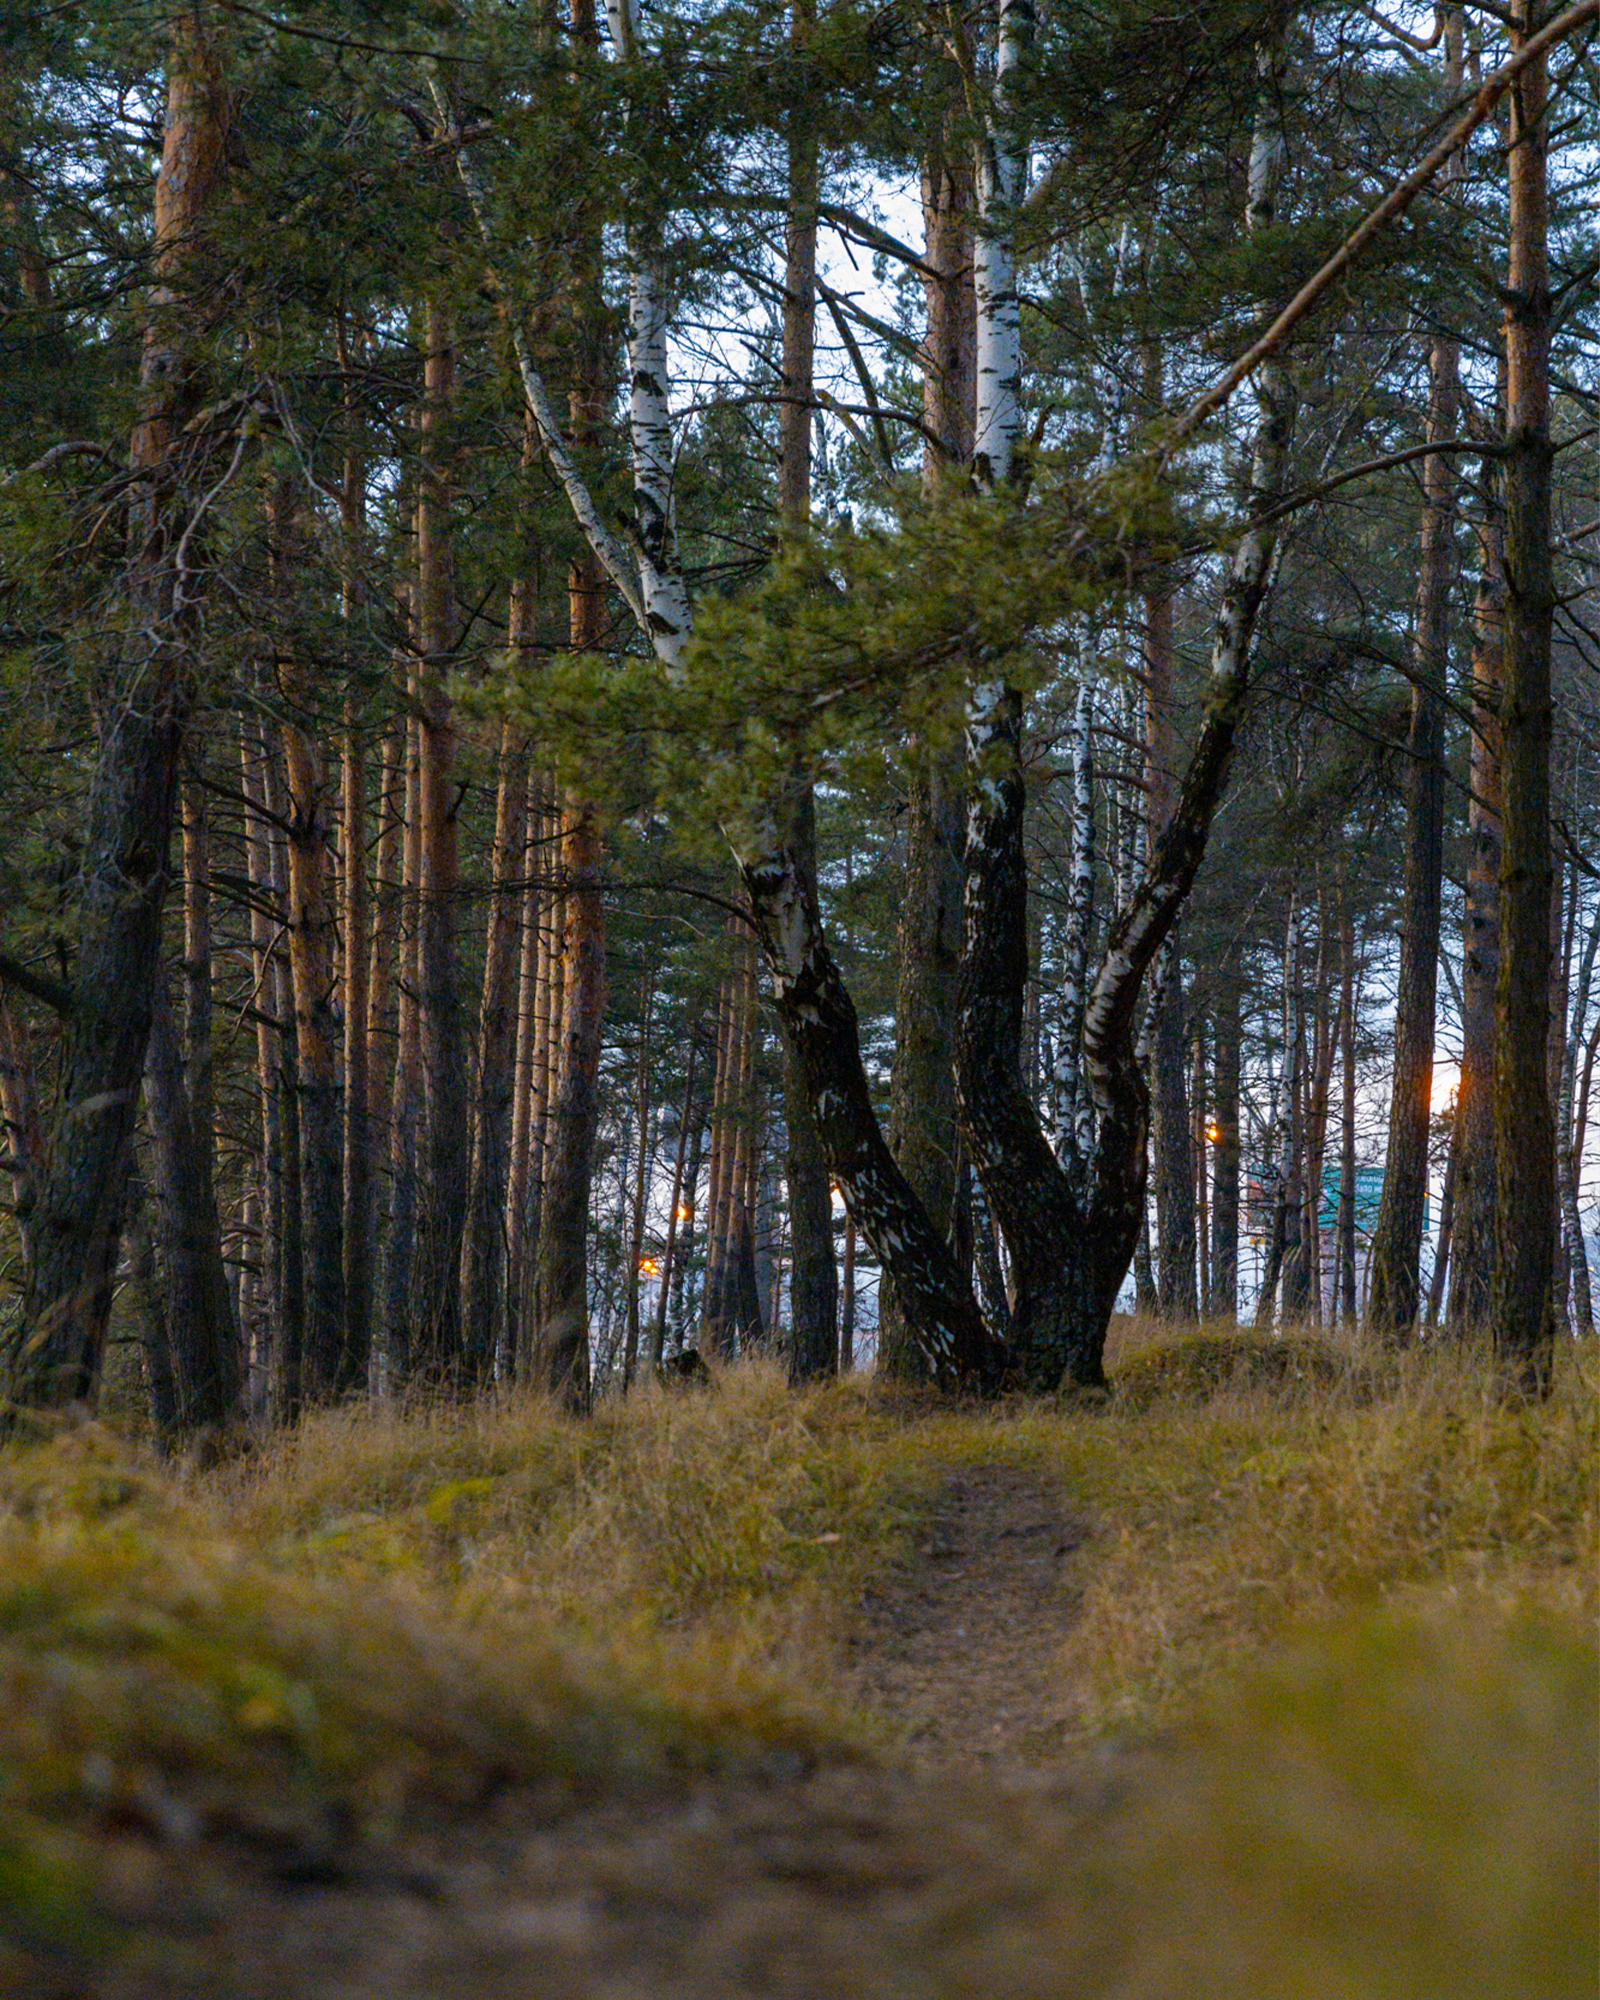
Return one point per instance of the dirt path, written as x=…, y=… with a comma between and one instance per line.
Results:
x=957, y=1651
x=935, y=1876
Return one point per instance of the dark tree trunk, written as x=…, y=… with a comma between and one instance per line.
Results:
x=435, y=1306
x=202, y=1371
x=1397, y=1237
x=1225, y=1195
x=932, y=1291
x=814, y=1278
x=1520, y=1317
x=72, y=1231
x=1473, y=1271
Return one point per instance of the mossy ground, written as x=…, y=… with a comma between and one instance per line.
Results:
x=1354, y=1604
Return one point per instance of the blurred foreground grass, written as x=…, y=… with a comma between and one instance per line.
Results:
x=1355, y=1601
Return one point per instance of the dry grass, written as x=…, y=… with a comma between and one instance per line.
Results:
x=391, y=1613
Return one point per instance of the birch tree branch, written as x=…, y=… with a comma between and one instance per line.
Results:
x=1393, y=205
x=609, y=552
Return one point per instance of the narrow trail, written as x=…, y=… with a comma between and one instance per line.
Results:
x=957, y=1651
x=931, y=1876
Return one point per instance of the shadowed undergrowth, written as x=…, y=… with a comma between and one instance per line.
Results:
x=1357, y=1600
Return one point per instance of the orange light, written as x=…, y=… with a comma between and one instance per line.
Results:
x=685, y=1212
x=1214, y=1134
x=647, y=1267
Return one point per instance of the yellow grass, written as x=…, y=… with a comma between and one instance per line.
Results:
x=1358, y=1595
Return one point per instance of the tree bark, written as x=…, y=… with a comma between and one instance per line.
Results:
x=813, y=1348
x=1521, y=1321
x=202, y=1374
x=73, y=1228
x=1473, y=1273
x=1225, y=1201
x=328, y=1368
x=1397, y=1237
x=435, y=1303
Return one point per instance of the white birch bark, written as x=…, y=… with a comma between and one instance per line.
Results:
x=666, y=602
x=1073, y=1112
x=1001, y=174
x=1579, y=1296
x=1156, y=901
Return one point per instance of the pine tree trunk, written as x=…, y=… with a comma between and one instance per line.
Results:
x=1225, y=1089
x=1521, y=1322
x=813, y=1347
x=327, y=1369
x=681, y=1211
x=435, y=1304
x=1473, y=1272
x=406, y=1093
x=1172, y=1162
x=203, y=1376
x=922, y=1106
x=359, y=1123
x=74, y=1226
x=1397, y=1237
x=1349, y=1000
x=562, y=1361
x=483, y=1259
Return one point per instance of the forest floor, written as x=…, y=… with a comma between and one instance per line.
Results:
x=1022, y=1717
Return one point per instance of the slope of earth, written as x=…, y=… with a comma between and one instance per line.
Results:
x=1020, y=1710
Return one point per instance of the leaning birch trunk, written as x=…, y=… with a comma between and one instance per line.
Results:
x=811, y=1000
x=74, y=1228
x=1520, y=1318
x=1109, y=1061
